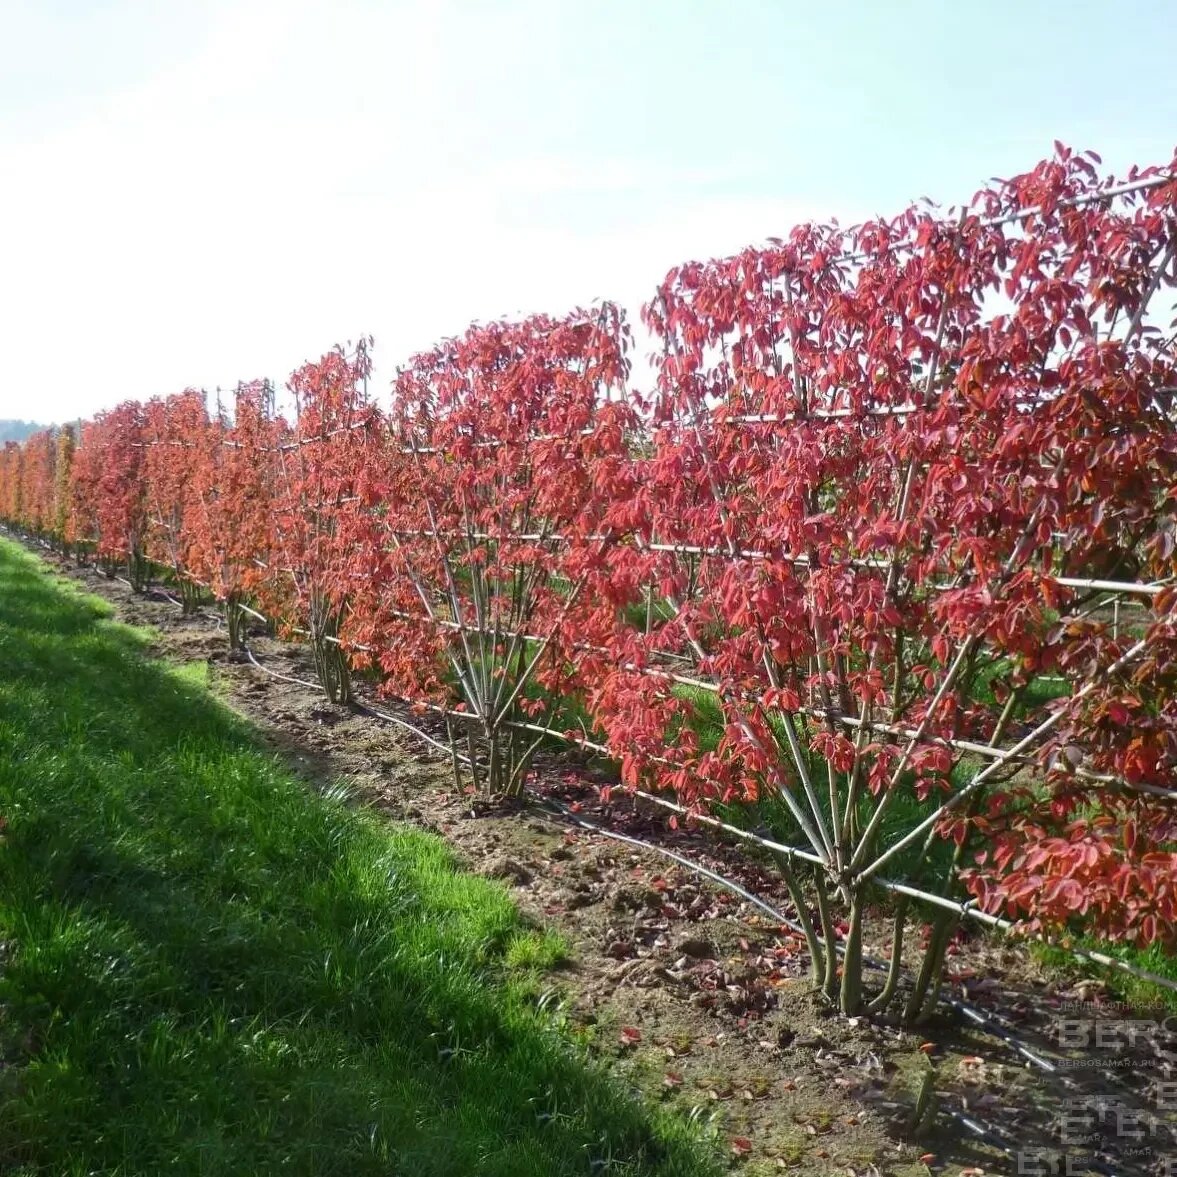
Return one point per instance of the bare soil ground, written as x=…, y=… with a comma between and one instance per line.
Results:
x=701, y=1000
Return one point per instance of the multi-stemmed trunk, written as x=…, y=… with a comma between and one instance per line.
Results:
x=330, y=660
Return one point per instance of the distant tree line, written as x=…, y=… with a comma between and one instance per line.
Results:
x=11, y=430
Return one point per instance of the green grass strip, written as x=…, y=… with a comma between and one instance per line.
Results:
x=209, y=969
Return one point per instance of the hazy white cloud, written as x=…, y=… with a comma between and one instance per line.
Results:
x=297, y=180
x=193, y=194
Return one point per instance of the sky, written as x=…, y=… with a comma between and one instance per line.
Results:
x=193, y=194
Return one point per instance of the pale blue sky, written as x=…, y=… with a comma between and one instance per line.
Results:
x=192, y=193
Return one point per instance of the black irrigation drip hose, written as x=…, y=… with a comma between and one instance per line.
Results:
x=973, y=1014
x=413, y=729
x=999, y=1027
x=729, y=884
x=562, y=810
x=978, y=1016
x=572, y=818
x=989, y=1022
x=993, y=1026
x=363, y=707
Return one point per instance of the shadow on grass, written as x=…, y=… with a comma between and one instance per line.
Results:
x=213, y=970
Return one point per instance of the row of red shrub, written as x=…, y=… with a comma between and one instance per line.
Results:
x=899, y=513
